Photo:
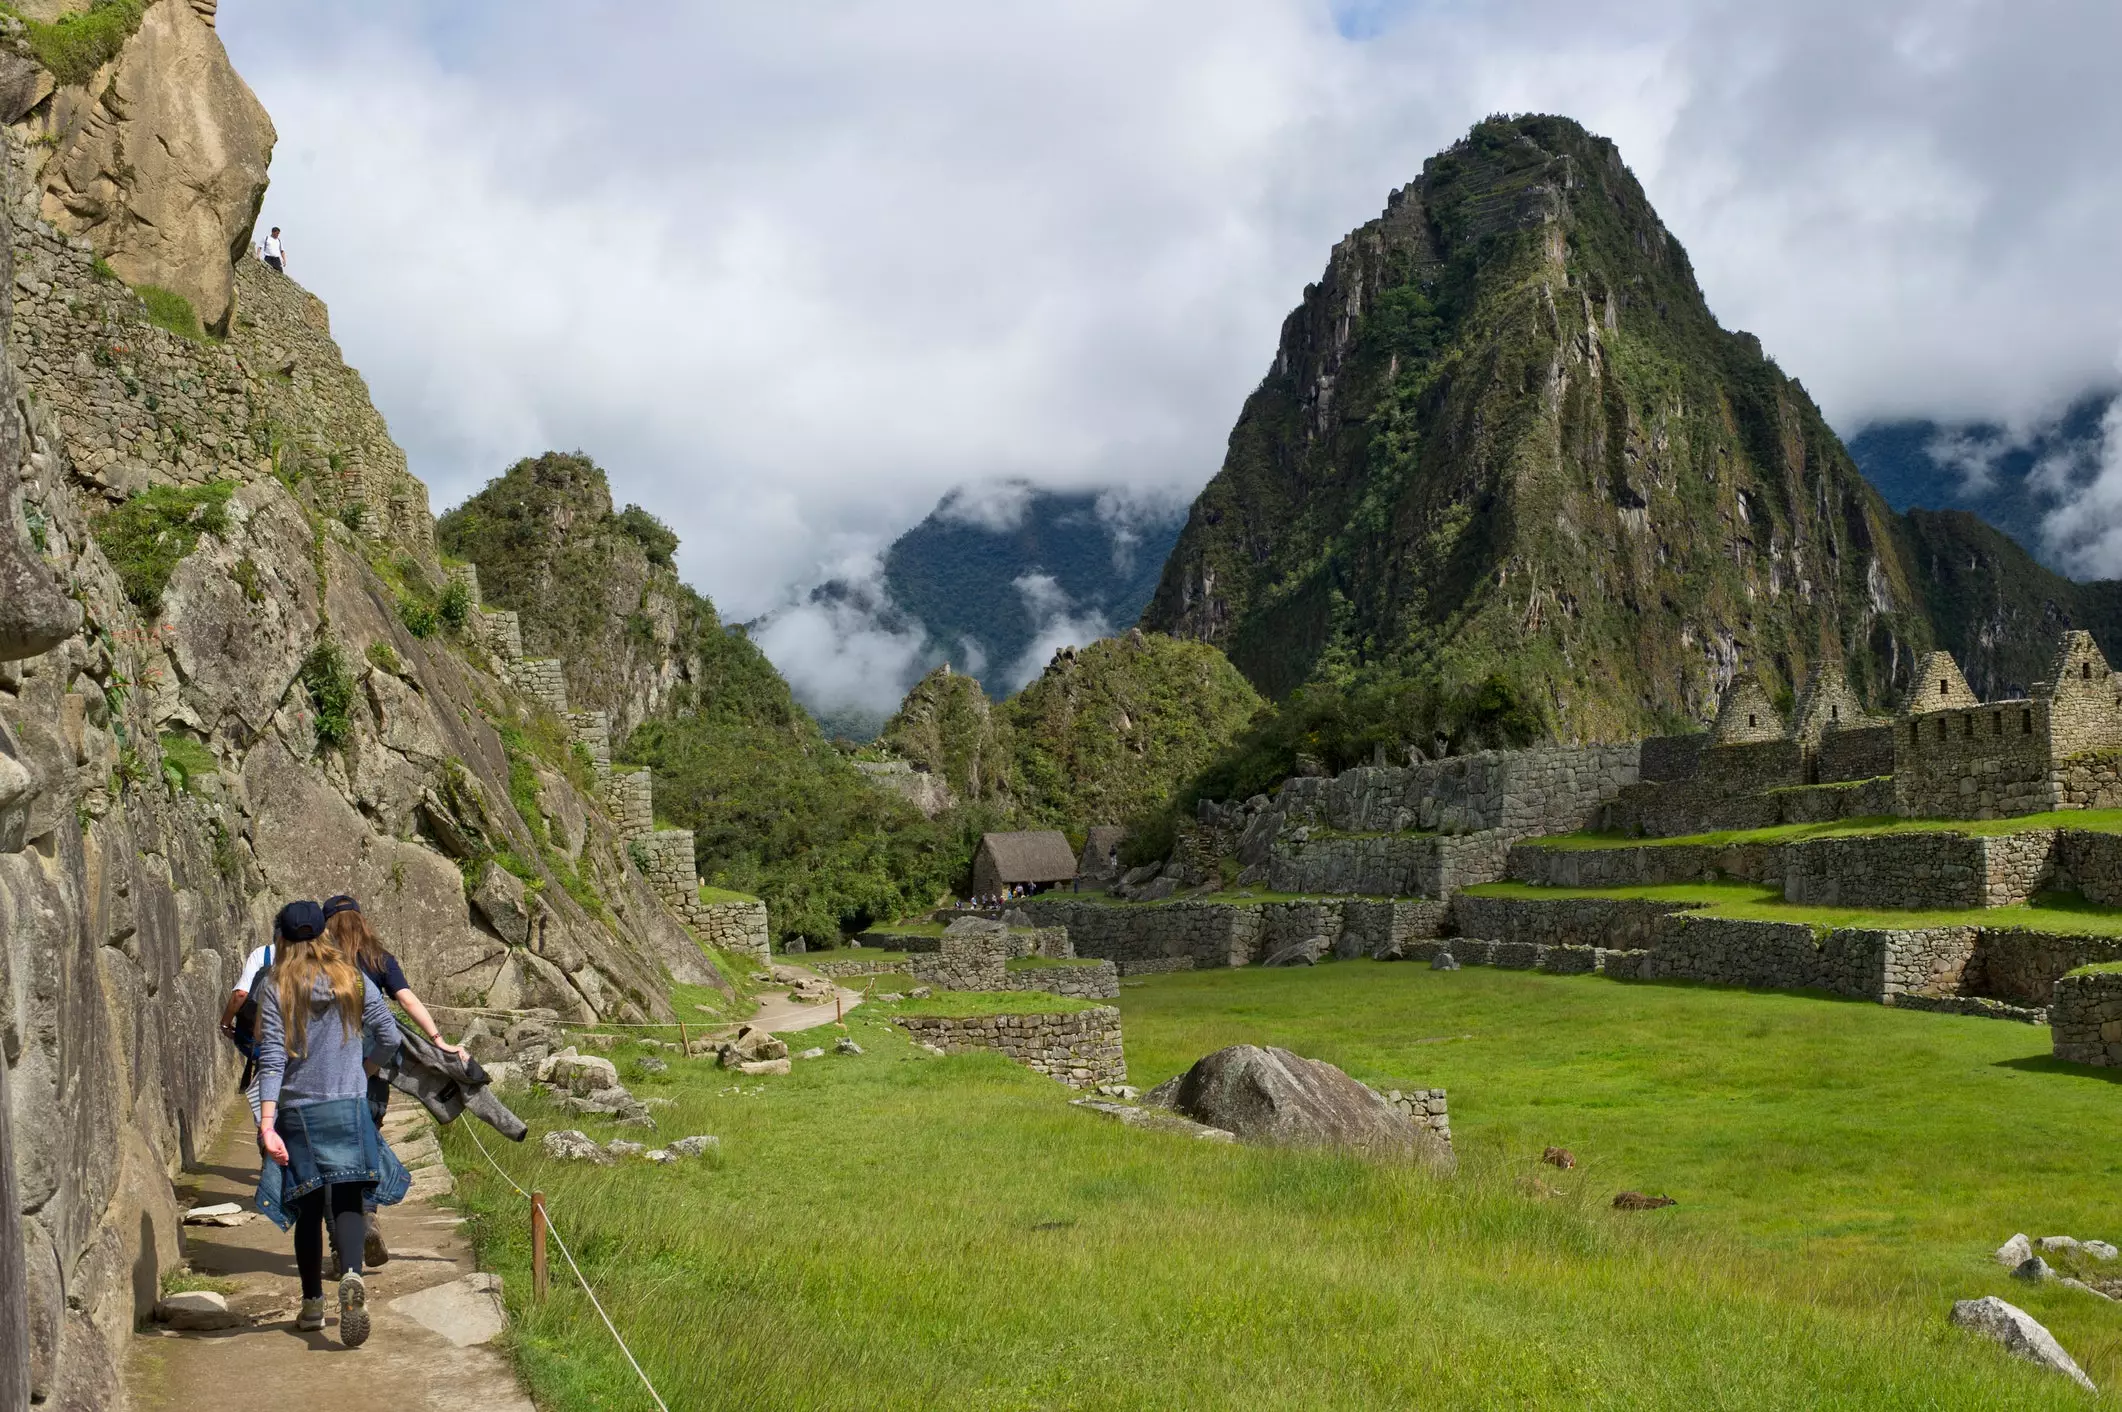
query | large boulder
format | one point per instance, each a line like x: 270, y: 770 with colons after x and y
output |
x: 1279, y: 1099
x: 2020, y: 1333
x: 1308, y: 952
x: 164, y: 170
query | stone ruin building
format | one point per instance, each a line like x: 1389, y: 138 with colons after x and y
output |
x: 1388, y: 861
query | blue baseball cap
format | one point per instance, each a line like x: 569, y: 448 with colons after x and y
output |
x: 299, y: 921
x: 333, y: 906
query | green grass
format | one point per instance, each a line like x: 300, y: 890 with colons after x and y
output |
x: 183, y: 1281
x: 150, y: 534
x: 907, y: 929
x: 715, y: 895
x: 2062, y: 913
x: 2089, y: 820
x: 2100, y: 968
x: 167, y: 309
x: 991, y: 1002
x: 185, y: 760
x: 73, y: 47
x: 884, y: 959
x: 1842, y: 1170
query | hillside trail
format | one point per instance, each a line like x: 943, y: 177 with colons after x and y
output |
x: 780, y: 1013
x: 428, y: 1353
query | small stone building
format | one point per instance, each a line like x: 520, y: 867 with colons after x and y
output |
x: 1035, y: 857
x: 1101, y: 849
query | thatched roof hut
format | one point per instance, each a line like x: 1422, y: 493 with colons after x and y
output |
x: 1035, y: 856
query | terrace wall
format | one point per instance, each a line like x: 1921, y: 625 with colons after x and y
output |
x: 2090, y: 864
x: 2085, y: 1019
x: 2090, y: 780
x: 1560, y: 921
x: 975, y: 960
x: 1522, y: 792
x: 1646, y: 864
x: 1202, y: 933
x: 1086, y: 980
x: 734, y: 926
x: 1081, y: 1048
x: 1920, y: 870
x: 2024, y: 966
x: 1861, y: 753
x: 1386, y: 865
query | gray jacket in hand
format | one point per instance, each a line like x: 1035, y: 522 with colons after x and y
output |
x: 447, y: 1085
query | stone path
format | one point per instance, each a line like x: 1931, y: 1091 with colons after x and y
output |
x: 779, y: 1015
x: 432, y: 1313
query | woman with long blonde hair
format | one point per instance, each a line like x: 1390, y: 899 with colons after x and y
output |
x: 358, y: 942
x: 320, y: 1023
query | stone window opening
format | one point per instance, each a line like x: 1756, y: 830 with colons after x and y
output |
x: 1942, y: 727
x: 1968, y: 726
x: 2026, y: 722
x: 1752, y: 720
x: 1834, y: 713
x: 2000, y: 723
x: 2085, y: 671
x: 1941, y: 686
x: 1915, y: 732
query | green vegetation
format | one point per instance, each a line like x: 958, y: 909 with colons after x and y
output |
x: 906, y: 929
x: 167, y: 309
x: 713, y: 895
x: 73, y: 47
x: 180, y: 1280
x: 245, y: 575
x: 1837, y: 1168
x: 2087, y: 820
x: 185, y: 760
x: 330, y: 685
x: 353, y: 514
x: 2100, y: 968
x: 150, y: 534
x: 947, y: 726
x: 420, y: 619
x: 384, y: 657
x: 2062, y: 913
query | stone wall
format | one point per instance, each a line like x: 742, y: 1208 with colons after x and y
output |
x: 666, y: 860
x: 1615, y: 923
x: 2089, y: 780
x: 501, y: 631
x: 543, y: 681
x: 1386, y: 865
x: 1751, y: 766
x: 1919, y: 870
x: 1429, y: 1107
x: 1979, y: 763
x: 1861, y: 753
x: 966, y: 960
x: 1202, y: 933
x: 1666, y: 759
x: 735, y: 926
x: 1764, y: 956
x: 1080, y: 1048
x: 2024, y: 966
x: 1645, y: 864
x: 2085, y: 1018
x: 1872, y: 798
x: 1521, y: 792
x: 1081, y: 980
x: 592, y: 730
x: 629, y: 797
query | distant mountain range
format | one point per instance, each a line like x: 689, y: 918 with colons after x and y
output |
x: 2012, y: 480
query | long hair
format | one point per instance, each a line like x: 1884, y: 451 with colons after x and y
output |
x: 356, y: 940
x: 297, y: 969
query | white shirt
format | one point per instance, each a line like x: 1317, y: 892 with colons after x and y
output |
x: 272, y: 247
x: 252, y: 964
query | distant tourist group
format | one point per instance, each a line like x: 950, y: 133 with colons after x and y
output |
x: 1015, y: 892
x: 322, y: 1051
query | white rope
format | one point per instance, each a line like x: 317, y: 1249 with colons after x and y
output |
x: 580, y: 1279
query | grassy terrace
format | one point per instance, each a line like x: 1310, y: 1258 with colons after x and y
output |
x: 991, y: 1002
x: 2064, y: 913
x: 1843, y: 1171
x: 713, y: 895
x: 906, y: 929
x: 2088, y: 820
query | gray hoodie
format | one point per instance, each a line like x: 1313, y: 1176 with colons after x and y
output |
x: 332, y: 1068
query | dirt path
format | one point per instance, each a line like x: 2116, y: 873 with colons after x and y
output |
x: 426, y: 1354
x: 779, y: 1015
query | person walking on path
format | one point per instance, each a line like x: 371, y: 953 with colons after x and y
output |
x: 355, y: 939
x: 326, y: 1155
x: 275, y: 252
x: 241, y: 1027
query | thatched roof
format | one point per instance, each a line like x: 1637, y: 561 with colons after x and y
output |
x: 1033, y: 856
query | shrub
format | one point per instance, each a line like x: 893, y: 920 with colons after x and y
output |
x: 455, y: 609
x: 354, y: 516
x: 185, y: 761
x: 656, y: 538
x: 246, y: 576
x: 384, y: 657
x: 167, y: 309
x: 331, y: 692
x: 149, y: 535
x: 73, y: 47
x: 420, y: 618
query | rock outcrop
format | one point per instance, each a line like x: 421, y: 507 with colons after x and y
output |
x: 1279, y: 1099
x: 160, y: 160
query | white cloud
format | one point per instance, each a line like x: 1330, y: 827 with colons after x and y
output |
x: 1059, y: 626
x: 790, y: 272
x: 997, y: 505
x: 2086, y: 532
x: 850, y: 650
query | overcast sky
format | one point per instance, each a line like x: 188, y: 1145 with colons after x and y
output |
x: 790, y: 271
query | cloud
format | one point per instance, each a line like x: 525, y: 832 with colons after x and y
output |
x: 848, y: 651
x: 2086, y: 530
x: 997, y: 505
x: 791, y: 272
x: 1059, y: 625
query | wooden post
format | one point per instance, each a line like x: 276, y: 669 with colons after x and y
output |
x: 538, y: 1245
x: 685, y: 1046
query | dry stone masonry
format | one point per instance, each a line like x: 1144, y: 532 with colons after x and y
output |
x: 1080, y: 1048
x: 2086, y: 1017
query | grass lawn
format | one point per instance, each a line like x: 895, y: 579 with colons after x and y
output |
x: 1843, y: 1171
x: 2057, y: 912
x: 905, y: 929
x: 2088, y: 820
x: 990, y: 1002
x: 713, y: 895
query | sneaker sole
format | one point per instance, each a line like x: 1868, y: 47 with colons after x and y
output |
x: 353, y: 1311
x: 374, y: 1252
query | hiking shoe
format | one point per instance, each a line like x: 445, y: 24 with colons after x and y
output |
x: 373, y: 1251
x: 311, y: 1319
x: 353, y: 1310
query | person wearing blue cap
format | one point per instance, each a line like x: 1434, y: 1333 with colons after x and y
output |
x: 320, y: 1023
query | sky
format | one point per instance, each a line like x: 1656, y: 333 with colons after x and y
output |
x: 791, y: 272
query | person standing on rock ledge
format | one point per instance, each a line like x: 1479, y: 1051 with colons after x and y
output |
x: 275, y: 252
x: 314, y: 1121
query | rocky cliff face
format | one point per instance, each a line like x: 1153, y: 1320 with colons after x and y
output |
x: 230, y: 674
x: 1504, y: 434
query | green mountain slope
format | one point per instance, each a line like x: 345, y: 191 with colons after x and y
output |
x: 1504, y: 436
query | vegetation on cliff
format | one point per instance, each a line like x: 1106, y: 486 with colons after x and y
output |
x: 948, y: 727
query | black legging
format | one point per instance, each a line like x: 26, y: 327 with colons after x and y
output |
x: 345, y: 1199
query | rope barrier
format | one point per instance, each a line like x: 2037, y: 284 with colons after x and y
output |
x: 580, y: 1278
